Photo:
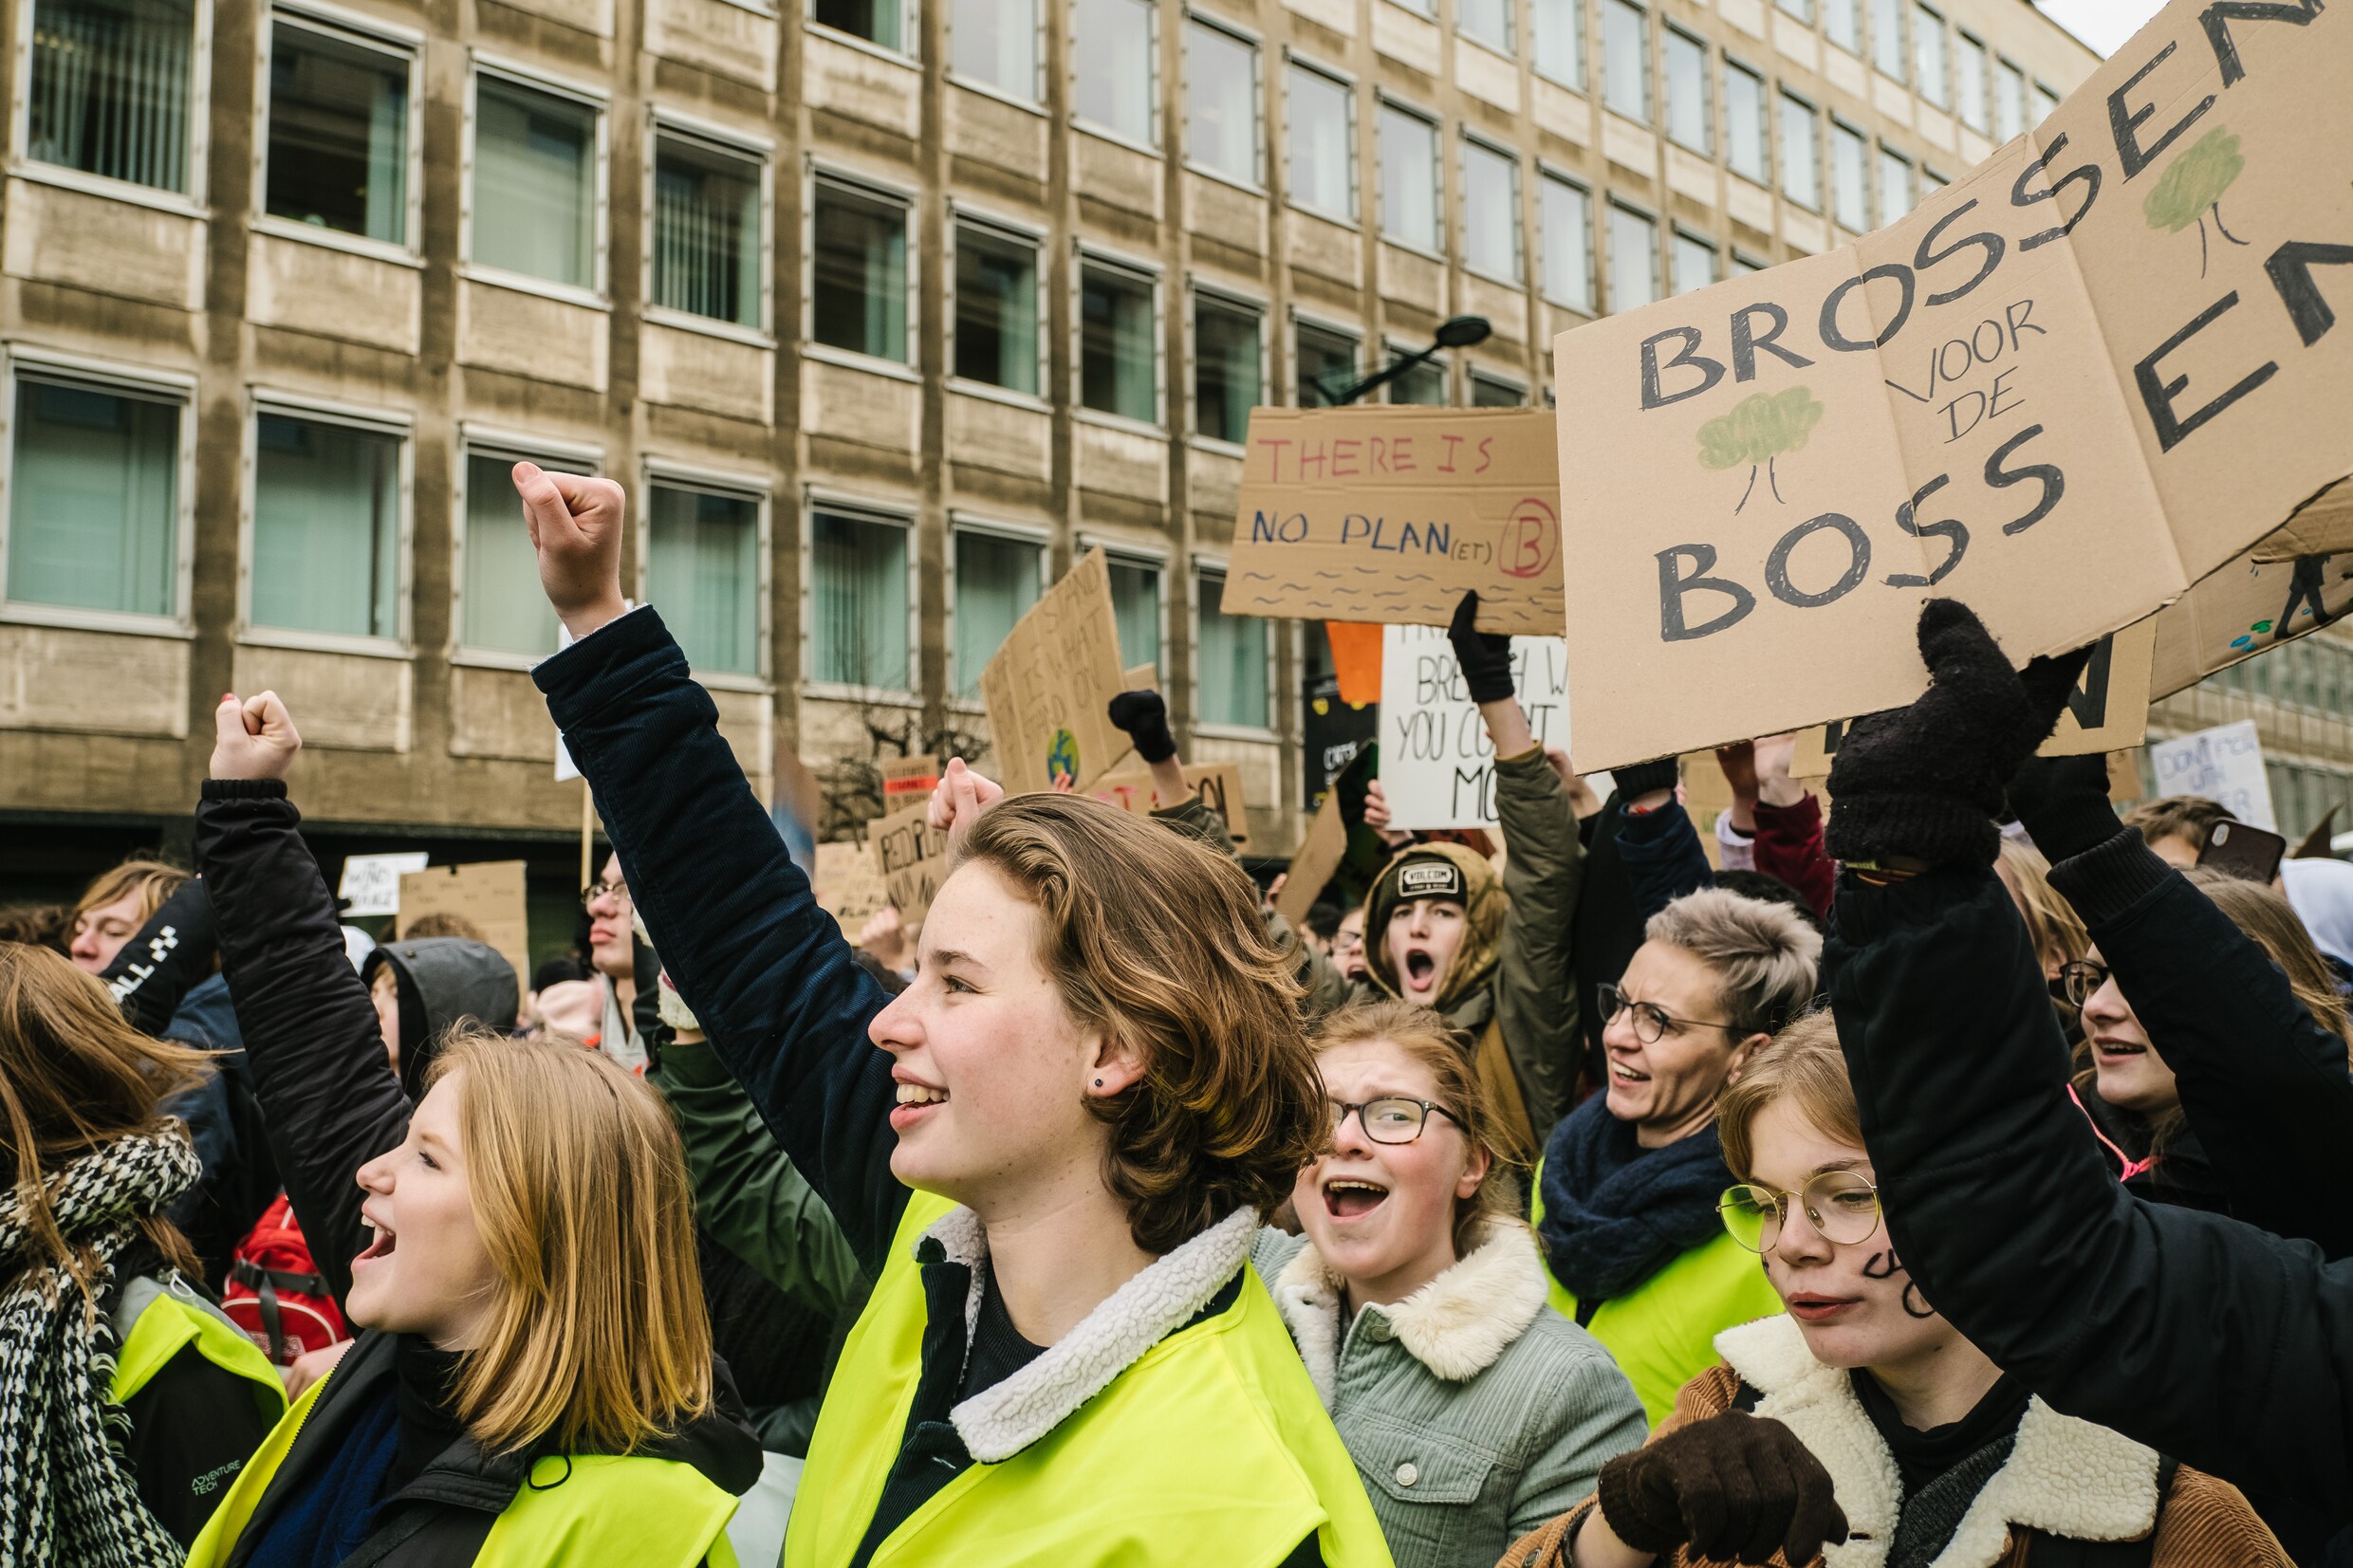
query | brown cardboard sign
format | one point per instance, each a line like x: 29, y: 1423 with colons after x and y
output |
x: 1049, y: 689
x: 1312, y: 863
x: 2249, y: 607
x: 1389, y: 514
x: 1141, y: 677
x: 849, y: 886
x: 2096, y: 369
x: 488, y: 894
x: 1217, y: 785
x: 908, y: 779
x: 913, y: 856
x: 2108, y: 709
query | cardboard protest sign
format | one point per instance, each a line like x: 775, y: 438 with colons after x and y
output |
x: 849, y: 886
x: 488, y: 895
x: 913, y: 856
x: 907, y: 779
x: 1437, y: 766
x: 1312, y: 863
x: 2099, y: 367
x: 1389, y: 514
x: 2323, y: 525
x: 2251, y: 606
x: 1049, y: 689
x: 2224, y: 764
x: 2108, y: 709
x: 1217, y: 785
x: 371, y: 883
x: 1141, y: 677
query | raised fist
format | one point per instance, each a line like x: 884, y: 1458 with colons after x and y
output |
x: 254, y: 739
x: 576, y: 525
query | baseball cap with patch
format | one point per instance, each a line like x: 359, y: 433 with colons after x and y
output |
x: 1430, y: 877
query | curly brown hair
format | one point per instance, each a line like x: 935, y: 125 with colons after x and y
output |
x: 1157, y: 941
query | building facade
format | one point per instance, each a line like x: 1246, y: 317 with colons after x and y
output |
x: 883, y: 310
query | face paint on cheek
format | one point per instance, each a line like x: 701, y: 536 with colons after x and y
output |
x: 1886, y: 1266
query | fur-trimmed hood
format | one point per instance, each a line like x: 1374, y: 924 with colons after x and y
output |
x: 2064, y: 1477
x: 1456, y: 1325
x: 999, y: 1422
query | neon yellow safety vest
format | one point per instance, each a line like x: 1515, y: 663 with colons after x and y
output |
x: 1212, y: 1447
x: 648, y: 1513
x: 1663, y: 1330
x: 170, y: 1325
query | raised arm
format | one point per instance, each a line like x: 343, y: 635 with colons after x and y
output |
x: 765, y: 968
x: 312, y: 1036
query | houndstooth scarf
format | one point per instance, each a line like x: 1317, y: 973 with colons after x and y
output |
x: 66, y: 1497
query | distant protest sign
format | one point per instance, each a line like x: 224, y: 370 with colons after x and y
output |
x: 490, y: 895
x: 1217, y: 785
x: 1437, y: 766
x: 2224, y: 764
x: 914, y: 859
x: 849, y: 886
x: 907, y: 779
x: 371, y: 883
x: 2096, y: 369
x: 1049, y: 686
x: 1389, y: 514
x: 1312, y: 863
x: 2268, y: 597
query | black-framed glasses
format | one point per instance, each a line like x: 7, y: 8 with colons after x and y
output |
x: 1390, y: 1119
x: 1842, y: 1205
x: 1651, y: 1022
x: 617, y: 892
x: 2079, y: 979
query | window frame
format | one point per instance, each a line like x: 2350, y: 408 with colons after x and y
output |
x: 1122, y: 552
x: 1862, y: 140
x: 1648, y: 115
x: 1883, y: 155
x: 358, y: 32
x: 1035, y: 101
x: 1193, y: 16
x: 959, y: 521
x: 1013, y: 231
x: 1727, y: 63
x: 1441, y: 363
x: 1383, y: 103
x: 1157, y: 131
x: 1965, y: 42
x: 726, y: 141
x: 1707, y: 90
x: 107, y: 376
x: 1941, y: 99
x: 1591, y: 306
x: 1659, y: 278
x: 473, y: 440
x: 397, y: 423
x: 910, y: 31
x: 815, y: 172
x: 1465, y: 140
x: 1582, y: 45
x: 196, y: 201
x: 1294, y: 60
x: 1209, y: 564
x: 906, y: 517
x: 598, y: 294
x: 1085, y: 255
x: 1901, y: 47
x: 1677, y: 236
x: 1507, y: 47
x: 678, y: 474
x: 1313, y: 323
x: 1781, y: 143
x: 1229, y: 297
x: 1496, y: 379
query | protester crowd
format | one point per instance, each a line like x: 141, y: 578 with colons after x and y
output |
x: 1945, y: 1176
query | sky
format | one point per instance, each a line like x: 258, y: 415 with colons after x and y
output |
x: 2103, y: 24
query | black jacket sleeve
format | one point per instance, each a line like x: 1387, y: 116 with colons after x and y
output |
x: 169, y: 957
x: 2266, y: 1089
x: 312, y: 1036
x: 776, y: 988
x: 2207, y: 1339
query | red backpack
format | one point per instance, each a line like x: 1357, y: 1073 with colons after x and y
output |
x: 274, y: 1292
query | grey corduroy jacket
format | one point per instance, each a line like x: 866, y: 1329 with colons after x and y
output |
x: 1473, y: 1412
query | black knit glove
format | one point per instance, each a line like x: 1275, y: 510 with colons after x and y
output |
x: 2063, y: 804
x: 1927, y: 780
x: 1646, y: 778
x: 1485, y: 659
x: 1144, y: 716
x: 1736, y: 1487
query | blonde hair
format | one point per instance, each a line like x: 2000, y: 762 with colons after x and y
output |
x: 2051, y: 921
x: 1765, y: 956
x: 1802, y: 1064
x: 1444, y: 1052
x: 2259, y: 911
x: 595, y: 1333
x: 153, y: 880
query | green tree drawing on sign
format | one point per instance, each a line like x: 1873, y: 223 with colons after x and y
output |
x: 1759, y: 429
x: 2193, y: 186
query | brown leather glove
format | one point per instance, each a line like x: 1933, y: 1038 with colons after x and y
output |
x: 1736, y: 1488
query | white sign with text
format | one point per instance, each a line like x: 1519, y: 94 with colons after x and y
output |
x: 2224, y: 764
x: 1437, y: 766
x: 372, y: 882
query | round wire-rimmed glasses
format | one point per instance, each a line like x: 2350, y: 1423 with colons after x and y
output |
x: 1843, y: 1208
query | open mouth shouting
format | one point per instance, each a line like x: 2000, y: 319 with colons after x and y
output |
x: 1352, y: 1197
x: 1419, y: 969
x: 916, y: 1100
x: 379, y: 1247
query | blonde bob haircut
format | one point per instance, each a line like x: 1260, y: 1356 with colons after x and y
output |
x: 1802, y: 1064
x: 1156, y: 940
x: 596, y: 1336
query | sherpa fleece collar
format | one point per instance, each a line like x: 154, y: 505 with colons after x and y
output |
x: 999, y: 1422
x: 1456, y: 1325
x: 2064, y: 1477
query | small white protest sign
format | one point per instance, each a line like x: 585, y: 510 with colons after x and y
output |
x: 372, y: 882
x: 2224, y: 764
x: 1437, y: 766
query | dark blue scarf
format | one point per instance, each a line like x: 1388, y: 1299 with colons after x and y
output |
x: 1615, y: 1213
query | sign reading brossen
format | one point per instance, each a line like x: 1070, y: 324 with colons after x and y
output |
x: 2065, y: 388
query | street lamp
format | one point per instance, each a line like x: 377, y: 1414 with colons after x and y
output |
x: 1456, y: 332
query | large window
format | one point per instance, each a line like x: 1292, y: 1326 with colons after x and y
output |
x: 94, y: 498
x: 1928, y: 55
x: 2010, y: 101
x: 2045, y: 99
x: 1112, y: 80
x: 1136, y: 607
x: 859, y: 270
x: 1422, y: 386
x: 1488, y: 21
x: 878, y: 22
x: 1689, y: 118
x: 535, y: 182
x: 1235, y: 654
x: 996, y: 581
x: 1321, y: 134
x: 1802, y: 9
x: 1842, y: 21
x: 1745, y: 136
x: 1495, y: 392
x: 703, y: 569
x: 1694, y: 263
x: 1568, y: 219
x: 1221, y: 102
x: 1561, y: 41
x: 706, y: 232
x: 1409, y: 178
x: 1970, y: 83
x: 1327, y: 362
x: 996, y: 308
x: 857, y: 601
x: 1625, y: 58
x: 1491, y: 212
x: 326, y: 528
x: 1850, y: 187
x: 1801, y: 152
x: 1117, y: 337
x: 110, y: 92
x: 1887, y: 37
x: 995, y: 43
x: 1227, y: 378
x: 339, y: 134
x: 1896, y: 198
x: 1633, y: 258
x: 505, y: 609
